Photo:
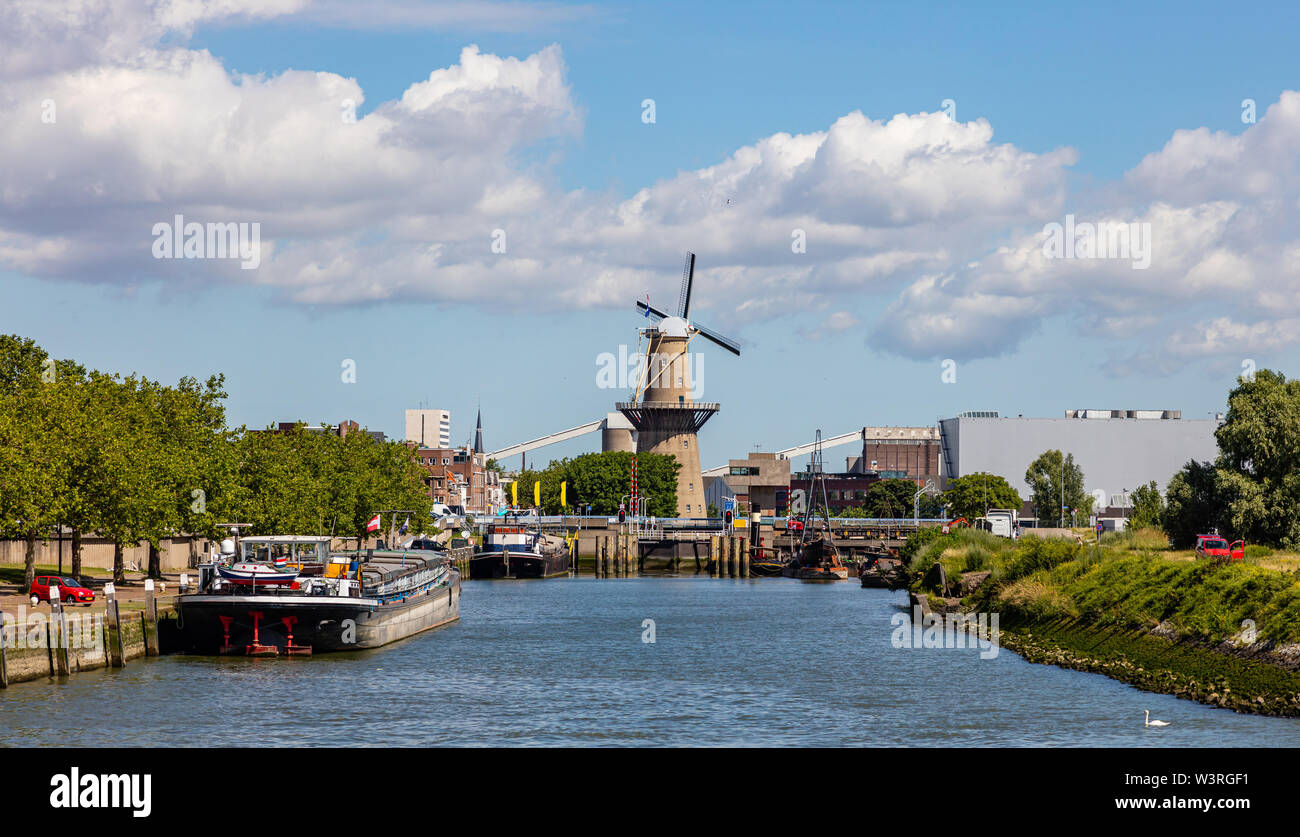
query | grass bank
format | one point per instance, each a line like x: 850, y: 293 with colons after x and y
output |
x: 1130, y: 607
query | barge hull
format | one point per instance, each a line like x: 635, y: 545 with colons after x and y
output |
x: 319, y: 623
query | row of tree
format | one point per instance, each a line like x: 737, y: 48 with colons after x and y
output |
x: 137, y: 462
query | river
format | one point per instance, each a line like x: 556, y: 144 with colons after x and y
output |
x: 759, y: 662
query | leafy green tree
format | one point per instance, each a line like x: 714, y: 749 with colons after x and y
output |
x: 1045, y: 475
x: 971, y: 495
x: 1258, y: 469
x: 603, y: 479
x: 1148, y: 506
x: 1193, y: 503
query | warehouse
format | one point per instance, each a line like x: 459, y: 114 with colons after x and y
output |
x: 1118, y: 450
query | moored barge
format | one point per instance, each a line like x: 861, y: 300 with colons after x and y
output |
x: 515, y: 547
x: 336, y: 602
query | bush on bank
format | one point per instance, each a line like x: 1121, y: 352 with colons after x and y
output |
x: 1127, y: 582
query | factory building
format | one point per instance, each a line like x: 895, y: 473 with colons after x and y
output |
x: 1118, y: 450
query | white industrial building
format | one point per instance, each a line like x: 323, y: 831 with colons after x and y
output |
x: 1118, y: 450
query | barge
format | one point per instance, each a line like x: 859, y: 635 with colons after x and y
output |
x: 334, y: 602
x: 515, y: 547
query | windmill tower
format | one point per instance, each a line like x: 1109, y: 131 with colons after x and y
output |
x: 663, y: 411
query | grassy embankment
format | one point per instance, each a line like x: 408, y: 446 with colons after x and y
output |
x: 1134, y: 609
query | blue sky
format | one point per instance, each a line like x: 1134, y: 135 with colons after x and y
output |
x: 1108, y: 81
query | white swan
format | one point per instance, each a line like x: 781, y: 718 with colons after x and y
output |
x: 1148, y: 722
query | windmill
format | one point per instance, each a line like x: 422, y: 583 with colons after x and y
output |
x: 662, y: 410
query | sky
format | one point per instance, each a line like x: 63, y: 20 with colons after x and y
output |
x: 459, y: 203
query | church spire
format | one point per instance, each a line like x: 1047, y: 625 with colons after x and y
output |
x: 478, y: 433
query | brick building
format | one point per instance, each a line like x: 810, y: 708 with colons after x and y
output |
x: 911, y: 453
x: 455, y: 477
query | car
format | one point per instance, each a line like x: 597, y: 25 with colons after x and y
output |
x: 1216, y: 547
x: 71, y: 591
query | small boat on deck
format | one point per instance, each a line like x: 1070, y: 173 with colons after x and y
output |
x: 516, y: 547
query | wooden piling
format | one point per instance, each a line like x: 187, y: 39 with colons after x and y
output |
x: 604, y: 557
x: 56, y: 632
x: 150, y: 620
x: 4, y: 669
x: 724, y: 565
x: 113, y: 650
x: 744, y: 557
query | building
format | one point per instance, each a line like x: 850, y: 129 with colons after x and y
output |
x: 429, y: 428
x: 911, y: 453
x: 762, y: 478
x: 455, y: 477
x: 842, y: 491
x: 1118, y: 450
x: 668, y: 419
x: 343, y: 428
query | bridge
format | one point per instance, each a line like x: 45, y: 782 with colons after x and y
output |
x: 601, y: 424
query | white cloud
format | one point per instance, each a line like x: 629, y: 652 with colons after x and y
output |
x: 927, y: 214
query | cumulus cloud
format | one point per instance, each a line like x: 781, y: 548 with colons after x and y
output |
x: 442, y: 195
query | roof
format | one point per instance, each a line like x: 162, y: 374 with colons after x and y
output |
x: 285, y: 539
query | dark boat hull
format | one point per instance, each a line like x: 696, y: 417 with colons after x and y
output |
x: 487, y: 565
x: 318, y: 623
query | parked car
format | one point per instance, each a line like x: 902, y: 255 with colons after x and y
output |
x: 1216, y: 547
x: 71, y: 591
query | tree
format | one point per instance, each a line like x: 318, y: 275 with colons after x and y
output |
x: 970, y: 496
x: 603, y: 479
x: 1148, y: 506
x: 1044, y: 476
x: 1193, y: 505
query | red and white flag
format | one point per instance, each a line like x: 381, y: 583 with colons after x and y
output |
x: 373, y: 525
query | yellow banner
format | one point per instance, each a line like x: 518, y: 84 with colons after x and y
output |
x: 537, y: 493
x: 564, y: 496
x: 514, y: 493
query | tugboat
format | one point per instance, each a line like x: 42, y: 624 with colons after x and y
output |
x: 515, y: 547
x: 816, y: 557
x: 328, y: 602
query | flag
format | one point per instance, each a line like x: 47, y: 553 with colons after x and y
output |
x: 537, y: 493
x: 564, y: 499
x: 514, y: 493
x: 373, y: 525
x: 647, y: 305
x: 406, y: 525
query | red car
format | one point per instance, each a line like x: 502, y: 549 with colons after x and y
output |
x: 1216, y: 547
x: 70, y: 590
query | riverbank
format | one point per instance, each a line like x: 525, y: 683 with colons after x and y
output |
x: 1222, y: 633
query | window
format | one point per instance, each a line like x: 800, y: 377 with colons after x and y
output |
x: 686, y: 443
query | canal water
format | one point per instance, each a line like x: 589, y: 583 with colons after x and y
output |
x: 761, y: 662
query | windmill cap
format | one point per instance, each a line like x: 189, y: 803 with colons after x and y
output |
x: 673, y: 327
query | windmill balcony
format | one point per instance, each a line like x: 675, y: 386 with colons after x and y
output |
x: 668, y: 416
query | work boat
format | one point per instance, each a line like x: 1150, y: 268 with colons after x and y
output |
x: 817, y: 560
x: 322, y: 602
x: 515, y: 547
